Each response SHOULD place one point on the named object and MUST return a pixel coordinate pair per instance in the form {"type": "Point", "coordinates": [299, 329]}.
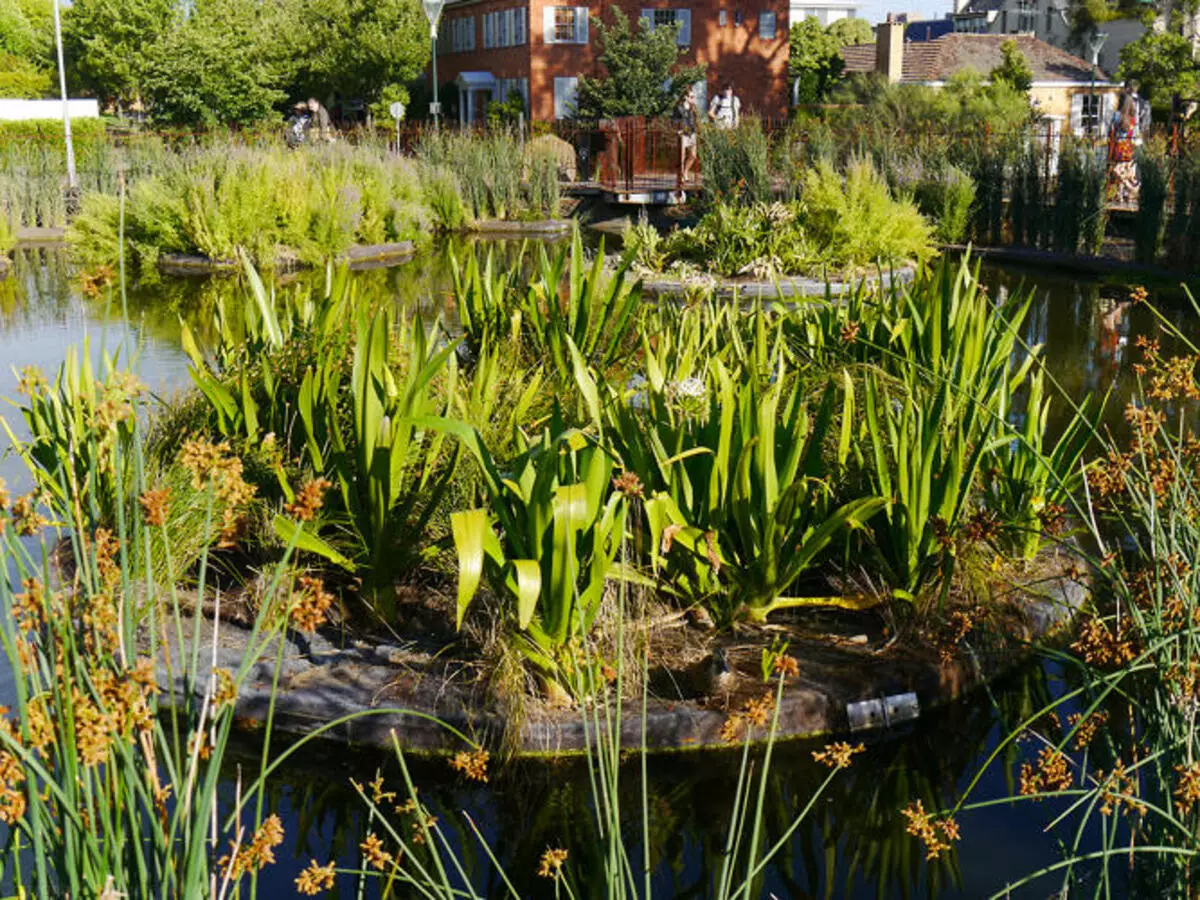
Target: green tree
{"type": "Point", "coordinates": [26, 41]}
{"type": "Point", "coordinates": [110, 44]}
{"type": "Point", "coordinates": [27, 30]}
{"type": "Point", "coordinates": [353, 48]}
{"type": "Point", "coordinates": [851, 32]}
{"type": "Point", "coordinates": [1163, 64]}
{"type": "Point", "coordinates": [219, 63]}
{"type": "Point", "coordinates": [816, 59]}
{"type": "Point", "coordinates": [1014, 70]}
{"type": "Point", "coordinates": [642, 75]}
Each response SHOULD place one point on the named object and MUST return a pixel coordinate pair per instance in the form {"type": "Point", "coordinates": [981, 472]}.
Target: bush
{"type": "Point", "coordinates": [947, 199]}
{"type": "Point", "coordinates": [854, 221]}
{"type": "Point", "coordinates": [444, 196]}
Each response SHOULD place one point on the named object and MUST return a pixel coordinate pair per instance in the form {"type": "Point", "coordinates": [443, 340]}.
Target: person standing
{"type": "Point", "coordinates": [726, 108]}
{"type": "Point", "coordinates": [320, 118]}
{"type": "Point", "coordinates": [686, 118]}
{"type": "Point", "coordinates": [1123, 179]}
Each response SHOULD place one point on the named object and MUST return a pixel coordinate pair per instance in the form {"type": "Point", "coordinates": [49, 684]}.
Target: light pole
{"type": "Point", "coordinates": [72, 180]}
{"type": "Point", "coordinates": [1095, 44]}
{"type": "Point", "coordinates": [433, 12]}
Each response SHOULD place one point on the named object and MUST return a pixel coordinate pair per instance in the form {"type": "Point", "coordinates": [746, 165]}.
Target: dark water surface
{"type": "Point", "coordinates": [853, 845]}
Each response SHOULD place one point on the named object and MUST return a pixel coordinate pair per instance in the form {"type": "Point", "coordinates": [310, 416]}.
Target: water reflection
{"type": "Point", "coordinates": [854, 844]}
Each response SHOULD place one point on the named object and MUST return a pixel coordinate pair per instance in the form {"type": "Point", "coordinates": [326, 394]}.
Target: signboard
{"type": "Point", "coordinates": [397, 110]}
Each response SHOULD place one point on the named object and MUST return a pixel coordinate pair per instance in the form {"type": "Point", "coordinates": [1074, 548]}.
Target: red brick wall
{"type": "Point", "coordinates": [757, 68]}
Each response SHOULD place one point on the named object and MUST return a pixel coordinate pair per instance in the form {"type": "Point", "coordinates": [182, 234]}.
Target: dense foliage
{"type": "Point", "coordinates": [642, 75]}
{"type": "Point", "coordinates": [218, 61]}
{"type": "Point", "coordinates": [814, 58]}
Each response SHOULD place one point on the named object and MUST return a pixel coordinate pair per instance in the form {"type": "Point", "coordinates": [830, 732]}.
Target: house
{"type": "Point", "coordinates": [1066, 89]}
{"type": "Point", "coordinates": [1047, 20]}
{"type": "Point", "coordinates": [824, 11]}
{"type": "Point", "coordinates": [491, 48]}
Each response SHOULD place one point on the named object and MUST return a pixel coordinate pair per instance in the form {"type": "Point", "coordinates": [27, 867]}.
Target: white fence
{"type": "Point", "coordinates": [26, 110]}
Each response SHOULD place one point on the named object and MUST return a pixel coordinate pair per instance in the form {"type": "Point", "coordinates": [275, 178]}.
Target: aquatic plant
{"type": "Point", "coordinates": [546, 542]}
{"type": "Point", "coordinates": [931, 416]}
{"type": "Point", "coordinates": [1153, 190]}
{"type": "Point", "coordinates": [565, 300]}
{"type": "Point", "coordinates": [82, 435]}
{"type": "Point", "coordinates": [739, 502]}
{"type": "Point", "coordinates": [735, 164]}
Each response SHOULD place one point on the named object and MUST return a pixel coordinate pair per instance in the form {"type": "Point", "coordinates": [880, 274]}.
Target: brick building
{"type": "Point", "coordinates": [490, 48]}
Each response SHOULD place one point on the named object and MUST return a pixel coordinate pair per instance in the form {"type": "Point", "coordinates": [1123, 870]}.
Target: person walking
{"type": "Point", "coordinates": [726, 108]}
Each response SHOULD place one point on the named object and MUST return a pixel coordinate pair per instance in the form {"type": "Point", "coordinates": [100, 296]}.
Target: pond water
{"type": "Point", "coordinates": [854, 843]}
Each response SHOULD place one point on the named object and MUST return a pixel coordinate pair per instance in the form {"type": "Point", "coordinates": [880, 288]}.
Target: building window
{"type": "Point", "coordinates": [766, 26]}
{"type": "Point", "coordinates": [737, 18]}
{"type": "Point", "coordinates": [461, 37]}
{"type": "Point", "coordinates": [566, 93]}
{"type": "Point", "coordinates": [671, 18]}
{"type": "Point", "coordinates": [723, 18]}
{"type": "Point", "coordinates": [1049, 17]}
{"type": "Point", "coordinates": [565, 24]}
{"type": "Point", "coordinates": [504, 28]}
{"type": "Point", "coordinates": [1026, 16]}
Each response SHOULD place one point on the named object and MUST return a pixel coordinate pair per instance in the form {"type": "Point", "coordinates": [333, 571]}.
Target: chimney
{"type": "Point", "coordinates": [889, 49]}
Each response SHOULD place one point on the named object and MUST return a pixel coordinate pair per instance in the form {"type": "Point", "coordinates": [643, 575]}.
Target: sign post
{"type": "Point", "coordinates": [397, 111]}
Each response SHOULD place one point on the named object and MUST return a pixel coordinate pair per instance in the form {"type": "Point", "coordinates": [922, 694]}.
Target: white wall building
{"type": "Point", "coordinates": [824, 11]}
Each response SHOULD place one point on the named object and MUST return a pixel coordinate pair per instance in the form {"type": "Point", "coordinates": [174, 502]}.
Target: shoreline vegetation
{"type": "Point", "coordinates": [337, 469]}
{"type": "Point", "coordinates": [570, 498]}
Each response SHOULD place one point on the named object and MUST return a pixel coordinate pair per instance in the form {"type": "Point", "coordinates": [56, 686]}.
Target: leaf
{"type": "Point", "coordinates": [294, 535]}
{"type": "Point", "coordinates": [528, 589]}
{"type": "Point", "coordinates": [471, 530]}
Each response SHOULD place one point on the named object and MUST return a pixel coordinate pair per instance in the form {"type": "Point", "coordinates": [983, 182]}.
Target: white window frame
{"type": "Point", "coordinates": [767, 17]}
{"type": "Point", "coordinates": [556, 31]}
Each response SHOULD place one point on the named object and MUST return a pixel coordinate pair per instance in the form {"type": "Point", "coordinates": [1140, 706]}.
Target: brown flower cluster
{"type": "Point", "coordinates": [155, 507]}
{"type": "Point", "coordinates": [551, 863]}
{"type": "Point", "coordinates": [472, 764]}
{"type": "Point", "coordinates": [373, 852]}
{"type": "Point", "coordinates": [1170, 378]}
{"type": "Point", "coordinates": [225, 690]}
{"type": "Point", "coordinates": [12, 792]}
{"type": "Point", "coordinates": [935, 834]}
{"type": "Point", "coordinates": [629, 484]}
{"type": "Point", "coordinates": [786, 666]}
{"type": "Point", "coordinates": [309, 500]}
{"type": "Point", "coordinates": [310, 604]}
{"type": "Point", "coordinates": [755, 713]}
{"type": "Point", "coordinates": [26, 519]}
{"type": "Point", "coordinates": [1052, 774]}
{"type": "Point", "coordinates": [214, 465]}
{"type": "Point", "coordinates": [1118, 790]}
{"type": "Point", "coordinates": [850, 331]}
{"type": "Point", "coordinates": [1103, 646]}
{"type": "Point", "coordinates": [315, 879]}
{"type": "Point", "coordinates": [839, 755]}
{"type": "Point", "coordinates": [256, 855]}
{"type": "Point", "coordinates": [1187, 788]}
{"type": "Point", "coordinates": [981, 527]}
{"type": "Point", "coordinates": [1086, 729]}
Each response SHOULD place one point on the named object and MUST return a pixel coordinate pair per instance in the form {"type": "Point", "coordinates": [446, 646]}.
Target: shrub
{"type": "Point", "coordinates": [854, 221]}
{"type": "Point", "coordinates": [444, 196]}
{"type": "Point", "coordinates": [947, 199]}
